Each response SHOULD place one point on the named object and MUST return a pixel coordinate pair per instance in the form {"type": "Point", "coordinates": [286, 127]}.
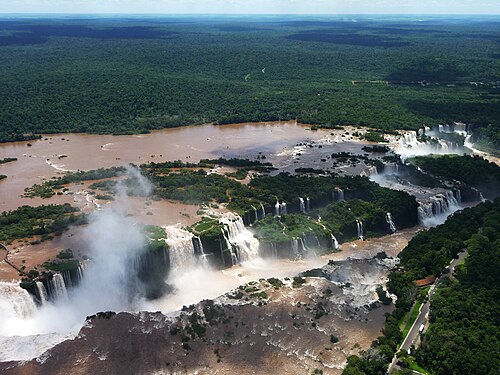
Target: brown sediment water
{"type": "Point", "coordinates": [56, 153]}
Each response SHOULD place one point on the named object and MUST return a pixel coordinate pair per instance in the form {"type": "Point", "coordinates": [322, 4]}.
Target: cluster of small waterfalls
{"type": "Point", "coordinates": [440, 204]}
{"type": "Point", "coordinates": [305, 206]}
{"type": "Point", "coordinates": [238, 240]}
{"type": "Point", "coordinates": [56, 285]}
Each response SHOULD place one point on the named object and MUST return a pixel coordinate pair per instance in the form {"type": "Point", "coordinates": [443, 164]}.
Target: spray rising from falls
{"type": "Point", "coordinates": [410, 145]}
{"type": "Point", "coordinates": [239, 240]}
{"type": "Point", "coordinates": [16, 305]}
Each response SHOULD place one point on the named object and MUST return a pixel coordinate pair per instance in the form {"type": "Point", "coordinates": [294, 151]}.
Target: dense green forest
{"type": "Point", "coordinates": [133, 75]}
{"type": "Point", "coordinates": [463, 335]}
{"type": "Point", "coordinates": [469, 169]}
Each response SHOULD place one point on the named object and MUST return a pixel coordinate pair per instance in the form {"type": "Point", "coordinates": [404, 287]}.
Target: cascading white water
{"type": "Point", "coordinates": [41, 292]}
{"type": "Point", "coordinates": [460, 128]}
{"type": "Point", "coordinates": [444, 145]}
{"type": "Point", "coordinates": [274, 250]}
{"type": "Point", "coordinates": [409, 146]}
{"type": "Point", "coordinates": [203, 257]}
{"type": "Point", "coordinates": [181, 248]}
{"type": "Point", "coordinates": [308, 204]}
{"type": "Point", "coordinates": [338, 195]}
{"type": "Point", "coordinates": [468, 141]}
{"type": "Point", "coordinates": [439, 207]}
{"type": "Point", "coordinates": [295, 248]}
{"type": "Point", "coordinates": [359, 225]}
{"type": "Point", "coordinates": [479, 194]}
{"type": "Point", "coordinates": [444, 128]}
{"type": "Point", "coordinates": [57, 287]}
{"type": "Point", "coordinates": [283, 209]}
{"type": "Point", "coordinates": [229, 246]}
{"type": "Point", "coordinates": [277, 207]}
{"type": "Point", "coordinates": [255, 213]}
{"type": "Point", "coordinates": [335, 243]}
{"type": "Point", "coordinates": [371, 171]}
{"type": "Point", "coordinates": [263, 211]}
{"type": "Point", "coordinates": [305, 249]}
{"type": "Point", "coordinates": [238, 237]}
{"type": "Point", "coordinates": [302, 205]}
{"type": "Point", "coordinates": [15, 303]}
{"type": "Point", "coordinates": [391, 168]}
{"type": "Point", "coordinates": [389, 220]}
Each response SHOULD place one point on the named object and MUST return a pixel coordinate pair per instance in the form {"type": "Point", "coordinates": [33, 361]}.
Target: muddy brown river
{"type": "Point", "coordinates": [57, 153]}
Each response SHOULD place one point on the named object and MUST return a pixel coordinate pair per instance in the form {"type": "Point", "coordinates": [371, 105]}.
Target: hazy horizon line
{"type": "Point", "coordinates": [251, 14]}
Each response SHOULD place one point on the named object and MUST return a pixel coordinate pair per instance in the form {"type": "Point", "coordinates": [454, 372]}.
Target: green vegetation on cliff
{"type": "Point", "coordinates": [462, 337]}
{"type": "Point", "coordinates": [471, 170]}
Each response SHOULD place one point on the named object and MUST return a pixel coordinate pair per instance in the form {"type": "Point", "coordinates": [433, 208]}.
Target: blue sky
{"type": "Point", "coordinates": [254, 6]}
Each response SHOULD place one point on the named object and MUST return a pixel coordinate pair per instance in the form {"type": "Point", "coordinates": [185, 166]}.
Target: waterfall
{"type": "Point", "coordinates": [335, 243]}
{"type": "Point", "coordinates": [238, 237]}
{"type": "Point", "coordinates": [479, 194]}
{"type": "Point", "coordinates": [460, 128]}
{"type": "Point", "coordinates": [263, 211]}
{"type": "Point", "coordinates": [424, 212]}
{"type": "Point", "coordinates": [409, 139]}
{"type": "Point", "coordinates": [180, 247]}
{"type": "Point", "coordinates": [274, 250]}
{"type": "Point", "coordinates": [277, 207]}
{"type": "Point", "coordinates": [308, 204]}
{"type": "Point", "coordinates": [58, 287]}
{"type": "Point", "coordinates": [391, 168]}
{"type": "Point", "coordinates": [371, 171]}
{"type": "Point", "coordinates": [439, 205]}
{"type": "Point", "coordinates": [444, 145]}
{"type": "Point", "coordinates": [338, 195]}
{"type": "Point", "coordinates": [389, 220]}
{"type": "Point", "coordinates": [302, 205]}
{"type": "Point", "coordinates": [359, 225]}
{"type": "Point", "coordinates": [305, 249]}
{"type": "Point", "coordinates": [41, 292]}
{"type": "Point", "coordinates": [468, 141]}
{"type": "Point", "coordinates": [67, 279]}
{"type": "Point", "coordinates": [202, 256]}
{"type": "Point", "coordinates": [81, 268]}
{"type": "Point", "coordinates": [295, 247]}
{"type": "Point", "coordinates": [282, 209]}
{"type": "Point", "coordinates": [15, 303]}
{"type": "Point", "coordinates": [255, 213]}
{"type": "Point", "coordinates": [229, 246]}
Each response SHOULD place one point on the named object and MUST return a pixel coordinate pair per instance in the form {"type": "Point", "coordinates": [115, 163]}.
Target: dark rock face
{"type": "Point", "coordinates": [271, 326]}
